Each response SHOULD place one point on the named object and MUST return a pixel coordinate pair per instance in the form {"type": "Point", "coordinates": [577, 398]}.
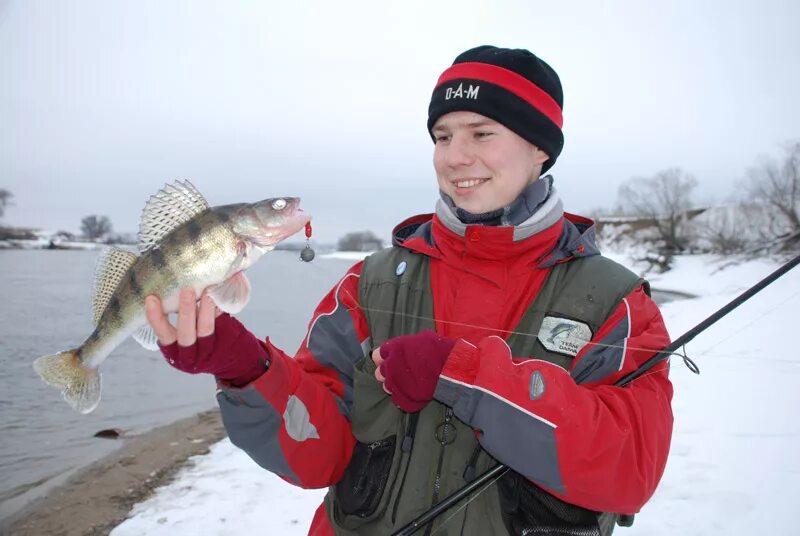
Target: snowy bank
{"type": "Point", "coordinates": [733, 467]}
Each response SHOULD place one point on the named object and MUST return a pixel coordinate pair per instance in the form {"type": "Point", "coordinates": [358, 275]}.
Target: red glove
{"type": "Point", "coordinates": [412, 365]}
{"type": "Point", "coordinates": [231, 353]}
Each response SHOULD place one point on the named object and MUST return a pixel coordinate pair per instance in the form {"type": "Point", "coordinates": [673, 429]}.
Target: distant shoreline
{"type": "Point", "coordinates": [29, 245]}
{"type": "Point", "coordinates": [97, 498]}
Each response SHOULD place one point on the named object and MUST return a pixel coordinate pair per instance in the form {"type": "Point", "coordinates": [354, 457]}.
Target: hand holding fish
{"type": "Point", "coordinates": [206, 340]}
{"type": "Point", "coordinates": [193, 320]}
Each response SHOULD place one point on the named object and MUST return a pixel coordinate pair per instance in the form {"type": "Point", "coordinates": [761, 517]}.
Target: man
{"type": "Point", "coordinates": [492, 331]}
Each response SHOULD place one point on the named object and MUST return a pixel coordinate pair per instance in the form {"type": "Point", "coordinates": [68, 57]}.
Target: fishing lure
{"type": "Point", "coordinates": [307, 255]}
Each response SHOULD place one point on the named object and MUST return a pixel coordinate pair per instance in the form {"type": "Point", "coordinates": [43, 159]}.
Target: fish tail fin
{"type": "Point", "coordinates": [79, 384]}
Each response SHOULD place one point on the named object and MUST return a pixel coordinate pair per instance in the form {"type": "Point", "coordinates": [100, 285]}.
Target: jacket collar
{"type": "Point", "coordinates": [570, 236]}
{"type": "Point", "coordinates": [543, 216]}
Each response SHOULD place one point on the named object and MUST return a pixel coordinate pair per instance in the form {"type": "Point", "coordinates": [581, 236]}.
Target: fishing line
{"type": "Point", "coordinates": [652, 351]}
{"type": "Point", "coordinates": [683, 355]}
{"type": "Point", "coordinates": [745, 326]}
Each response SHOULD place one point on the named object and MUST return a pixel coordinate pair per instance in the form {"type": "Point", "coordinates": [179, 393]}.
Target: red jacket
{"type": "Point", "coordinates": [612, 443]}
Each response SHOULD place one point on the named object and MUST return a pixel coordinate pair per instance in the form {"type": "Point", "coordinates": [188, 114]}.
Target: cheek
{"type": "Point", "coordinates": [439, 164]}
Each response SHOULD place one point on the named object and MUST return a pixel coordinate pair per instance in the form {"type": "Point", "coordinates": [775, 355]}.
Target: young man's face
{"type": "Point", "coordinates": [481, 164]}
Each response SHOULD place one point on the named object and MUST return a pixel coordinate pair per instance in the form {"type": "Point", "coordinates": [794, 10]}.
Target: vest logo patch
{"type": "Point", "coordinates": [470, 92]}
{"type": "Point", "coordinates": [564, 336]}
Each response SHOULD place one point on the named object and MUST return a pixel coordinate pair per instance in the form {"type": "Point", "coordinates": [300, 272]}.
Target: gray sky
{"type": "Point", "coordinates": [102, 102]}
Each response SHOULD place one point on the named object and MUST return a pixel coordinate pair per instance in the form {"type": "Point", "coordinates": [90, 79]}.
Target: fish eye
{"type": "Point", "coordinates": [279, 204]}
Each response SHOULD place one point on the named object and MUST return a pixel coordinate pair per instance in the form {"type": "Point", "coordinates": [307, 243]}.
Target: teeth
{"type": "Point", "coordinates": [469, 183]}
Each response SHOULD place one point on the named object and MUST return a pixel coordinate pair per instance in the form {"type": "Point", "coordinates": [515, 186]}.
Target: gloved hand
{"type": "Point", "coordinates": [232, 354]}
{"type": "Point", "coordinates": [206, 340]}
{"type": "Point", "coordinates": [409, 367]}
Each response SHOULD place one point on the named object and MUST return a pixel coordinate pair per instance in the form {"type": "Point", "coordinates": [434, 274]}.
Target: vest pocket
{"type": "Point", "coordinates": [528, 509]}
{"type": "Point", "coordinates": [362, 495]}
{"type": "Point", "coordinates": [360, 490]}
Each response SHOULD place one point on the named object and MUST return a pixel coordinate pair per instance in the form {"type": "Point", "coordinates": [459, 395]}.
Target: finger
{"type": "Point", "coordinates": [376, 357]}
{"type": "Point", "coordinates": [187, 317]}
{"type": "Point", "coordinates": [205, 316]}
{"type": "Point", "coordinates": [379, 375]}
{"type": "Point", "coordinates": [165, 332]}
{"type": "Point", "coordinates": [217, 310]}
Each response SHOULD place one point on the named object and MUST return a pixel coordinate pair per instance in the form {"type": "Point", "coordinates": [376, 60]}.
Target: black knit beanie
{"type": "Point", "coordinates": [511, 86]}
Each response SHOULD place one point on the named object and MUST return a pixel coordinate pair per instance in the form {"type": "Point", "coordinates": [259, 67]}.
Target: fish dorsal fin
{"type": "Point", "coordinates": [111, 267]}
{"type": "Point", "coordinates": [172, 206]}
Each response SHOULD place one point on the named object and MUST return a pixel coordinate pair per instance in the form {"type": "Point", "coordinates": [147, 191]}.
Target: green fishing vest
{"type": "Point", "coordinates": [404, 463]}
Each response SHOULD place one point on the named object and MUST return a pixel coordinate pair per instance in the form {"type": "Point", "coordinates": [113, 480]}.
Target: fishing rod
{"type": "Point", "coordinates": [488, 478]}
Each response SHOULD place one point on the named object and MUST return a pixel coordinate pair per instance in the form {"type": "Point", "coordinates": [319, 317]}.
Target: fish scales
{"type": "Point", "coordinates": [195, 254]}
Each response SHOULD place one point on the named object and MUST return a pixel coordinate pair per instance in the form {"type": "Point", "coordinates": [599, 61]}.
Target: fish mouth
{"type": "Point", "coordinates": [290, 222]}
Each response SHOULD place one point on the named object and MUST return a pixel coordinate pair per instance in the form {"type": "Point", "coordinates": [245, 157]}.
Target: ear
{"type": "Point", "coordinates": [539, 156]}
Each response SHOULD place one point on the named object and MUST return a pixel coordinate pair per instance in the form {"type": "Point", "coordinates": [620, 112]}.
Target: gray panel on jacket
{"type": "Point", "coordinates": [335, 344]}
{"type": "Point", "coordinates": [253, 426]}
{"type": "Point", "coordinates": [602, 359]}
{"type": "Point", "coordinates": [527, 444]}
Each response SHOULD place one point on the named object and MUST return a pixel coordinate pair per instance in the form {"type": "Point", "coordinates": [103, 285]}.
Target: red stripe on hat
{"type": "Point", "coordinates": [510, 81]}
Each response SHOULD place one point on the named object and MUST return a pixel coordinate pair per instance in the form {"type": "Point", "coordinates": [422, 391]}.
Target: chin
{"type": "Point", "coordinates": [474, 209]}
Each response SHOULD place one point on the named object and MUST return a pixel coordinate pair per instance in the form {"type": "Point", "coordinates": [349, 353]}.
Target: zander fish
{"type": "Point", "coordinates": [182, 242]}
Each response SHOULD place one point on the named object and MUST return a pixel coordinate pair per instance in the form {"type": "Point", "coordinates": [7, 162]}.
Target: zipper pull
{"type": "Point", "coordinates": [411, 428]}
{"type": "Point", "coordinates": [446, 432]}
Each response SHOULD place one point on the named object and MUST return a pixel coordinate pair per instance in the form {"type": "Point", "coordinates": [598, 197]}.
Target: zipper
{"type": "Point", "coordinates": [442, 435]}
{"type": "Point", "coordinates": [362, 478]}
{"type": "Point", "coordinates": [405, 447]}
{"type": "Point", "coordinates": [469, 472]}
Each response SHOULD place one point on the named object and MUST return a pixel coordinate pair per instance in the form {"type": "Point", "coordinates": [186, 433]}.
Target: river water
{"type": "Point", "coordinates": [45, 307]}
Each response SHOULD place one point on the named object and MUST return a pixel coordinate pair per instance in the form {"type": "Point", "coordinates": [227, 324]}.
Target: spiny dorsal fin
{"type": "Point", "coordinates": [111, 267]}
{"type": "Point", "coordinates": [172, 206]}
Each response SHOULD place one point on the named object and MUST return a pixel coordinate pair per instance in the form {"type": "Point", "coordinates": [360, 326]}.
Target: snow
{"type": "Point", "coordinates": [733, 468]}
{"type": "Point", "coordinates": [224, 492]}
{"type": "Point", "coordinates": [354, 256]}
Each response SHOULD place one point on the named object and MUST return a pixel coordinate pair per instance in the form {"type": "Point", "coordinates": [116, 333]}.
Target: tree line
{"type": "Point", "coordinates": [766, 217]}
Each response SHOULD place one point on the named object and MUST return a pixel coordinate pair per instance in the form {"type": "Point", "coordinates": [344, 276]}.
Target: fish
{"type": "Point", "coordinates": [183, 242]}
{"type": "Point", "coordinates": [559, 330]}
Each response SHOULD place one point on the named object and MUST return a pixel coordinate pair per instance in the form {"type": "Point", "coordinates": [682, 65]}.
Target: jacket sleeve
{"type": "Point", "coordinates": [294, 419]}
{"type": "Point", "coordinates": [590, 443]}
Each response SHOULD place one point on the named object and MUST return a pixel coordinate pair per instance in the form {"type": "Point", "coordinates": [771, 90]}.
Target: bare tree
{"type": "Point", "coordinates": [777, 183]}
{"type": "Point", "coordinates": [663, 198]}
{"type": "Point", "coordinates": [5, 200]}
{"type": "Point", "coordinates": [360, 241]}
{"type": "Point", "coordinates": [94, 227]}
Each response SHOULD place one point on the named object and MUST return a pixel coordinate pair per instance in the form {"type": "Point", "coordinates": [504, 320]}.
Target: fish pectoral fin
{"type": "Point", "coordinates": [232, 294]}
{"type": "Point", "coordinates": [79, 384]}
{"type": "Point", "coordinates": [146, 337]}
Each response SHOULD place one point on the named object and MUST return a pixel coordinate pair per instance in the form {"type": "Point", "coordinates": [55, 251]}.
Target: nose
{"type": "Point", "coordinates": [458, 152]}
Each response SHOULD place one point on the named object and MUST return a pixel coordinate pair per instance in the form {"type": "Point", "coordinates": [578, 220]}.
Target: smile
{"type": "Point", "coordinates": [469, 183]}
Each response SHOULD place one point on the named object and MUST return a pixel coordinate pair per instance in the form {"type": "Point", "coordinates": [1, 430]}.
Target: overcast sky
{"type": "Point", "coordinates": [102, 102]}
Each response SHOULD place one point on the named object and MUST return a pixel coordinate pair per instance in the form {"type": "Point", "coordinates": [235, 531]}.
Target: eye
{"type": "Point", "coordinates": [442, 138]}
{"type": "Point", "coordinates": [279, 204]}
{"type": "Point", "coordinates": [483, 135]}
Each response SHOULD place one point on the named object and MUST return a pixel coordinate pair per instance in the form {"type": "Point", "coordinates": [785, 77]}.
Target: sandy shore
{"type": "Point", "coordinates": [96, 499]}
